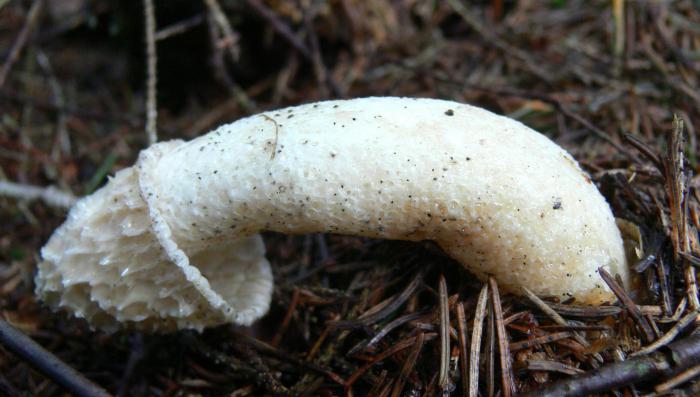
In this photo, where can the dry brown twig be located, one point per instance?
(230, 37)
(48, 363)
(444, 379)
(21, 40)
(628, 304)
(493, 38)
(311, 54)
(228, 50)
(677, 191)
(503, 350)
(463, 347)
(557, 319)
(179, 27)
(679, 379)
(552, 366)
(683, 324)
(151, 72)
(474, 353)
(491, 353)
(680, 356)
(50, 195)
(409, 364)
(319, 68)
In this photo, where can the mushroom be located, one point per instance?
(173, 242)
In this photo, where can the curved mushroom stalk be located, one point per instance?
(172, 242)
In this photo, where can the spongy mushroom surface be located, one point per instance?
(497, 196)
(106, 264)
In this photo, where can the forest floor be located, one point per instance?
(613, 82)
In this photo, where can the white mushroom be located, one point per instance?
(172, 242)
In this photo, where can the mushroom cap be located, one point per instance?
(106, 264)
(172, 242)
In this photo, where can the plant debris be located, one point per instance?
(613, 82)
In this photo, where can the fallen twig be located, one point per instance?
(47, 363)
(680, 355)
(542, 305)
(627, 302)
(230, 37)
(503, 350)
(386, 310)
(21, 40)
(552, 366)
(463, 341)
(179, 27)
(409, 364)
(151, 73)
(51, 195)
(525, 344)
(679, 327)
(444, 379)
(476, 341)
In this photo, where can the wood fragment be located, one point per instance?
(475, 351)
(575, 328)
(179, 27)
(679, 379)
(392, 306)
(136, 354)
(676, 193)
(431, 390)
(393, 324)
(516, 317)
(443, 379)
(680, 309)
(542, 305)
(282, 28)
(694, 260)
(683, 324)
(378, 383)
(317, 345)
(151, 72)
(30, 24)
(528, 343)
(324, 79)
(645, 149)
(628, 304)
(491, 354)
(230, 37)
(265, 375)
(281, 355)
(387, 388)
(47, 363)
(397, 347)
(50, 195)
(408, 365)
(503, 348)
(681, 355)
(218, 60)
(462, 334)
(663, 284)
(599, 311)
(286, 319)
(493, 38)
(552, 366)
(235, 364)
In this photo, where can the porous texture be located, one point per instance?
(497, 196)
(106, 264)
